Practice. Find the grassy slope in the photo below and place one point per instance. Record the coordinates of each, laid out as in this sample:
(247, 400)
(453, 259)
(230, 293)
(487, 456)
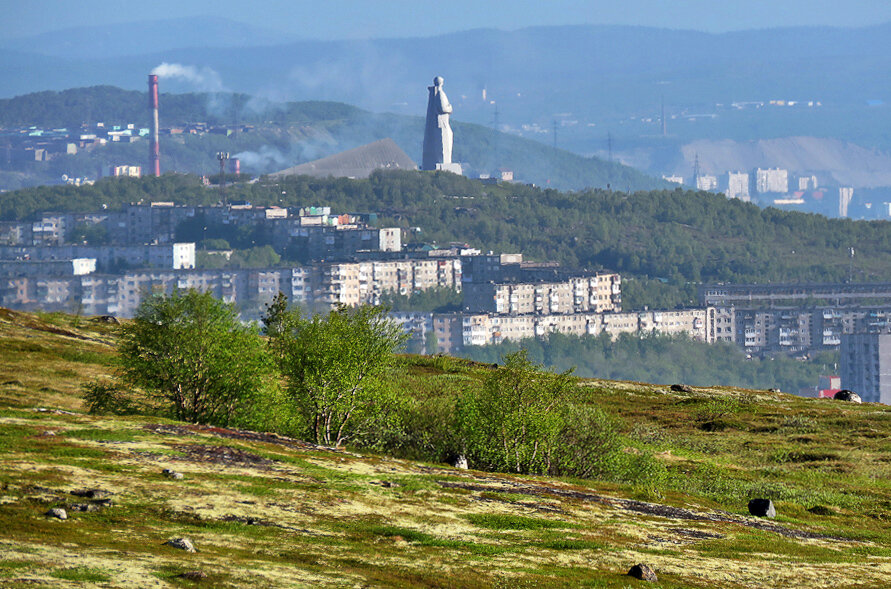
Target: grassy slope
(270, 512)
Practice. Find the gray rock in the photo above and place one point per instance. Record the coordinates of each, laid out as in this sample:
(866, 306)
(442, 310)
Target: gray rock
(172, 474)
(181, 543)
(681, 388)
(58, 513)
(846, 395)
(461, 462)
(643, 572)
(85, 507)
(762, 508)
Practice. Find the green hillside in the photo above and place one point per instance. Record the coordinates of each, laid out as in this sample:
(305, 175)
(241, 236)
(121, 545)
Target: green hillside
(270, 511)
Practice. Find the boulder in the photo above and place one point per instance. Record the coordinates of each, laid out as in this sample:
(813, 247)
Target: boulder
(57, 512)
(172, 474)
(846, 395)
(181, 543)
(681, 388)
(643, 572)
(762, 508)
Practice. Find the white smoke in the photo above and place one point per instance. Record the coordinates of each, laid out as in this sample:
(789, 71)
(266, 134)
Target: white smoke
(204, 79)
(264, 160)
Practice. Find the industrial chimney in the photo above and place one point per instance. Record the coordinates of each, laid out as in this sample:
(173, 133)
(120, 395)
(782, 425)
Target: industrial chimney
(154, 150)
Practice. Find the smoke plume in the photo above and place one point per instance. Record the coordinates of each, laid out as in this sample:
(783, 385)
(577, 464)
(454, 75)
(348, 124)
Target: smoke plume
(204, 79)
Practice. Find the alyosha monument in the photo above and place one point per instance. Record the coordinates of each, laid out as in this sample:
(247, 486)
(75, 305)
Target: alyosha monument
(438, 132)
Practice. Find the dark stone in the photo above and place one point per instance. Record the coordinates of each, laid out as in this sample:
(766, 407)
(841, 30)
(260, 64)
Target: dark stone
(193, 575)
(92, 493)
(821, 510)
(111, 319)
(643, 572)
(172, 474)
(762, 508)
(681, 388)
(846, 395)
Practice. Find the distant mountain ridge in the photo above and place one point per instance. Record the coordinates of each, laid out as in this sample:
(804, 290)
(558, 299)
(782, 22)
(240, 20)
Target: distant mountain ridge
(137, 38)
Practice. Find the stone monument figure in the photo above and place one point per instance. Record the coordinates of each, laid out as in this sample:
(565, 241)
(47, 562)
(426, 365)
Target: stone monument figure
(438, 132)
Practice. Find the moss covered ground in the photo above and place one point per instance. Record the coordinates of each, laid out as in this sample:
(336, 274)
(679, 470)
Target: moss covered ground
(268, 511)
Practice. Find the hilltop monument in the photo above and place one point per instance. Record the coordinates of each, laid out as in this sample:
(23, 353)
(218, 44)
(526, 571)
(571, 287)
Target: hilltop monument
(438, 132)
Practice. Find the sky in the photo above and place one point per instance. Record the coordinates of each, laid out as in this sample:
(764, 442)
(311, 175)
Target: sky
(350, 19)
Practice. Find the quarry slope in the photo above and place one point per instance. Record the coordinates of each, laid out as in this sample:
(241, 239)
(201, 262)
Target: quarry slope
(269, 511)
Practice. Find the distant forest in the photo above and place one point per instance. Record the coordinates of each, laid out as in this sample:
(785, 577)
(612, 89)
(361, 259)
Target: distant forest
(664, 360)
(664, 242)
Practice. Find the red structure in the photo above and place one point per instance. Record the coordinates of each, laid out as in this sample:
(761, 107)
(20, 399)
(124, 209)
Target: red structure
(154, 149)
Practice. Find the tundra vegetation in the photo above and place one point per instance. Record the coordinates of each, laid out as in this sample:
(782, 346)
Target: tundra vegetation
(643, 473)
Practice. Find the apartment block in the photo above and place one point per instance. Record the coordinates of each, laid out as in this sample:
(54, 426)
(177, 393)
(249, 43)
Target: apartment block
(866, 366)
(597, 294)
(771, 180)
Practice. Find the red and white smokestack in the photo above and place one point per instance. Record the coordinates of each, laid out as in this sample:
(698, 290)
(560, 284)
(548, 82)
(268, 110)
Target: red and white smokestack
(154, 149)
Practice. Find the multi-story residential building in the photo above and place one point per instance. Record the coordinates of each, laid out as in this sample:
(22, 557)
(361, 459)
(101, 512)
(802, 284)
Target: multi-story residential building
(581, 294)
(771, 180)
(175, 256)
(866, 366)
(486, 328)
(706, 182)
(845, 195)
(736, 185)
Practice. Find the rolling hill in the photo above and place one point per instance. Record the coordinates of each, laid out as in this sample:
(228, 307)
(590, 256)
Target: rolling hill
(272, 511)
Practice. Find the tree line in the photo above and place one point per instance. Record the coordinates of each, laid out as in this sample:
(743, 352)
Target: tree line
(664, 359)
(336, 379)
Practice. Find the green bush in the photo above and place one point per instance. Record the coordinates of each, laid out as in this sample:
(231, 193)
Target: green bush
(102, 398)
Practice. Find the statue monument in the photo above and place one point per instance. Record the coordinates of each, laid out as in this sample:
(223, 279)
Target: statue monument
(438, 132)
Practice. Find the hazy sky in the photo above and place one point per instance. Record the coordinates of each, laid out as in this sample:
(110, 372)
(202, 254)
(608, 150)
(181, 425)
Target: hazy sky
(334, 19)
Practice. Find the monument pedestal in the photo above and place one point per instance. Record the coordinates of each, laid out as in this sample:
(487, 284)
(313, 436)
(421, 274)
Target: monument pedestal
(453, 167)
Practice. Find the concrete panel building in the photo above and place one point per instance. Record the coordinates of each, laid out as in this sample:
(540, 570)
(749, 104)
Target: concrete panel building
(866, 366)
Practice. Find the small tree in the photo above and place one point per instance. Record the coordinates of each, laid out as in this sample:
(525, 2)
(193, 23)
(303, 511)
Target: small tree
(190, 350)
(336, 366)
(514, 423)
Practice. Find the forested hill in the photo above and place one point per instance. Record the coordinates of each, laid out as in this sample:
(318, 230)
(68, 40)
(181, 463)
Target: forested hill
(680, 237)
(76, 106)
(283, 135)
